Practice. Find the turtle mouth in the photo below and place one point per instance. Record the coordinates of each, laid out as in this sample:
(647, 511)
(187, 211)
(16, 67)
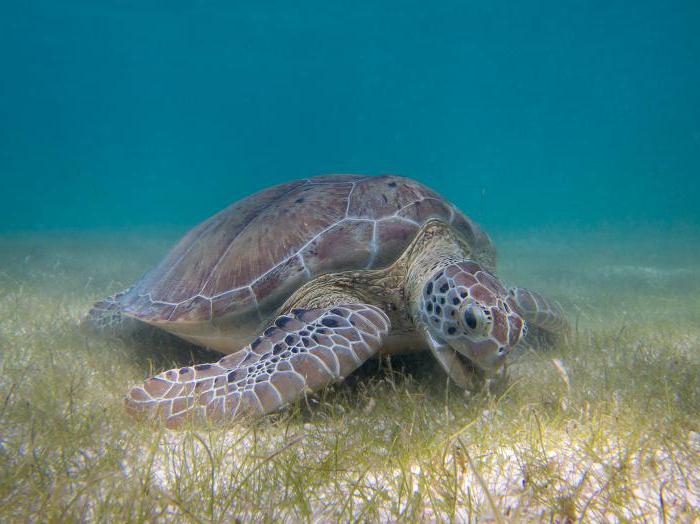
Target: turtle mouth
(484, 355)
(468, 363)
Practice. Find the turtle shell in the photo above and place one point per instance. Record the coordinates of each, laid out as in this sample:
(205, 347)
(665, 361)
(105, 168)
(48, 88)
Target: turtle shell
(249, 258)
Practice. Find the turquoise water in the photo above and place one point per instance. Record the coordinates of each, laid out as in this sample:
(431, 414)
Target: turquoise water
(569, 129)
(116, 114)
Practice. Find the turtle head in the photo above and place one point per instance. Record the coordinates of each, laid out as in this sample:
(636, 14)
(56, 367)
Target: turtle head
(466, 307)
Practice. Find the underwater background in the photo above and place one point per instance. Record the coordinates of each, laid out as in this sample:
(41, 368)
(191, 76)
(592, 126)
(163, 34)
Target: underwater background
(570, 130)
(115, 114)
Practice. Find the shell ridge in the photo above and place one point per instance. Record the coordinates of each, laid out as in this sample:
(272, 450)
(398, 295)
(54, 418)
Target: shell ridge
(387, 217)
(196, 239)
(347, 208)
(372, 245)
(296, 253)
(244, 228)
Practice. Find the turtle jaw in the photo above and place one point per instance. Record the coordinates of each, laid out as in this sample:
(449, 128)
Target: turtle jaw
(485, 353)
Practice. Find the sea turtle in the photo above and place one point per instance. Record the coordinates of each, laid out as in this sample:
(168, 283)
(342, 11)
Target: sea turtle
(303, 282)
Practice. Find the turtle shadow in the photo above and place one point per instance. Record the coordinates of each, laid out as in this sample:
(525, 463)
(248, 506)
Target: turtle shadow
(159, 350)
(376, 377)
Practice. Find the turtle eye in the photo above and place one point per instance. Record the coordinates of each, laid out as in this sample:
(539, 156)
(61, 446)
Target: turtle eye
(470, 318)
(474, 319)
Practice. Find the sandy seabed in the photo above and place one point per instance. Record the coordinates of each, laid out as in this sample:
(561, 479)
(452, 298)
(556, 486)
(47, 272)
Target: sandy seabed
(605, 427)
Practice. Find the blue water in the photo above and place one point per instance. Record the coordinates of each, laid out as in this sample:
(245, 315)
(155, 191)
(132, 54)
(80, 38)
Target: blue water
(526, 114)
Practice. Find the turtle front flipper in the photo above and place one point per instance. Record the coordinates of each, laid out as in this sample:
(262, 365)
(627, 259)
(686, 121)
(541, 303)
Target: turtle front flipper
(305, 350)
(545, 319)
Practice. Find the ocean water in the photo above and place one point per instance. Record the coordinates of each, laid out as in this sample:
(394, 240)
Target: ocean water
(569, 130)
(122, 114)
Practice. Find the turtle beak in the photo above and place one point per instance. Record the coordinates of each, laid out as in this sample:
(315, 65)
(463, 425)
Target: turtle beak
(486, 354)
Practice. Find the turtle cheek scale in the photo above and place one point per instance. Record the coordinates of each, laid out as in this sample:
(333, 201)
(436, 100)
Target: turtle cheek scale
(500, 327)
(466, 307)
(517, 329)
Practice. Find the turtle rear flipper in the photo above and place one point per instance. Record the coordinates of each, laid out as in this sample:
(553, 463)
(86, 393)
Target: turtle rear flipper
(305, 350)
(106, 317)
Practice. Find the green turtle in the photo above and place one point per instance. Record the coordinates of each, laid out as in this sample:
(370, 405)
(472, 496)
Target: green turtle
(303, 282)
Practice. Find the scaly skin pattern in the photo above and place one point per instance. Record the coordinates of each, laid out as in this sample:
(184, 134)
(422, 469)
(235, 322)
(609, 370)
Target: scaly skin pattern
(433, 294)
(467, 307)
(225, 280)
(302, 351)
(106, 314)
